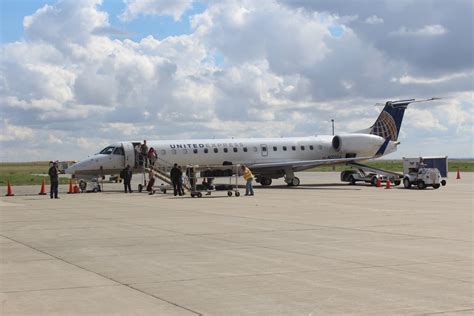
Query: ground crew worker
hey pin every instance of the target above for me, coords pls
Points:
(53, 176)
(175, 175)
(126, 175)
(248, 177)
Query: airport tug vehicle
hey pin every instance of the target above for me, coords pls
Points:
(425, 172)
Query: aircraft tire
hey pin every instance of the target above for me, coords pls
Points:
(265, 181)
(295, 182)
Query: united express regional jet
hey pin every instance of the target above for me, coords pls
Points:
(268, 158)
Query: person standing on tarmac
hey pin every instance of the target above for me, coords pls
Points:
(175, 175)
(126, 175)
(53, 176)
(248, 177)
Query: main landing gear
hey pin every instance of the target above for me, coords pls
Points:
(265, 181)
(290, 179)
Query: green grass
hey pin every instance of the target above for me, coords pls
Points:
(397, 166)
(21, 173)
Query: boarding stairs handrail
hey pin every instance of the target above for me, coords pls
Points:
(164, 176)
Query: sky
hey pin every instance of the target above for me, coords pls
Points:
(78, 75)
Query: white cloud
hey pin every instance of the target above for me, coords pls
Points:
(174, 8)
(14, 133)
(373, 19)
(427, 30)
(246, 69)
(407, 79)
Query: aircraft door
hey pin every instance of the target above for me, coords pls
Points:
(129, 154)
(264, 150)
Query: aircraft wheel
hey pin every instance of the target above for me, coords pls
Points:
(406, 183)
(140, 187)
(295, 182)
(265, 181)
(421, 185)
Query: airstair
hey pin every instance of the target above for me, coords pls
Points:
(161, 169)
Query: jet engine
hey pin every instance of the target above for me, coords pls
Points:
(357, 143)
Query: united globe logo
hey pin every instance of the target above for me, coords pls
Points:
(385, 127)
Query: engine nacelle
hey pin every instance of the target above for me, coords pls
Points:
(362, 144)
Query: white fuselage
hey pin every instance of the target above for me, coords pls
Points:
(248, 151)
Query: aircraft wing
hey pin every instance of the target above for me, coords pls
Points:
(305, 164)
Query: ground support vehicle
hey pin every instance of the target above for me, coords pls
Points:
(424, 172)
(206, 180)
(363, 173)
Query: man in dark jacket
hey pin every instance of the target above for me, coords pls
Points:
(175, 175)
(53, 176)
(126, 175)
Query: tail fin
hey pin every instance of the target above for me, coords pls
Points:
(389, 121)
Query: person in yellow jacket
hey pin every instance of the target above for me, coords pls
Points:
(248, 177)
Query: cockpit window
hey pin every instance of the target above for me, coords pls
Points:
(107, 150)
(119, 151)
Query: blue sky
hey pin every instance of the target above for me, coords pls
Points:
(13, 12)
(82, 74)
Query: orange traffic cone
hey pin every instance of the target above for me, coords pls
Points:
(76, 187)
(388, 185)
(379, 183)
(70, 187)
(9, 190)
(458, 176)
(43, 190)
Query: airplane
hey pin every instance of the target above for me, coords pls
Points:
(268, 158)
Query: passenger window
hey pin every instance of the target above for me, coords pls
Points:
(206, 150)
(226, 150)
(107, 150)
(119, 151)
(311, 147)
(284, 148)
(195, 151)
(235, 150)
(173, 151)
(275, 148)
(293, 147)
(245, 149)
(216, 150)
(302, 147)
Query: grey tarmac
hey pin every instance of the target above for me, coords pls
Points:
(318, 249)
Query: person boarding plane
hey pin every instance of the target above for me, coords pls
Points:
(268, 158)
